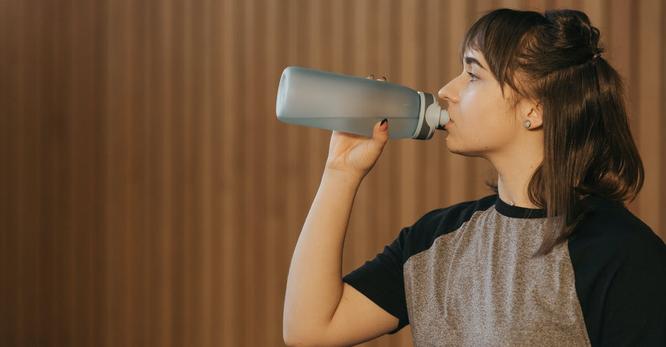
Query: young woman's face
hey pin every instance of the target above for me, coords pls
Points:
(483, 121)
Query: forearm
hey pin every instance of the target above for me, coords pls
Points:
(314, 284)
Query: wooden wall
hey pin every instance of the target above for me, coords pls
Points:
(149, 196)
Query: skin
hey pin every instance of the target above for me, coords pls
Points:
(484, 123)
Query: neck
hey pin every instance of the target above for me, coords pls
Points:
(515, 171)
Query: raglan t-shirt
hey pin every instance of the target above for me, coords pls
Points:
(464, 276)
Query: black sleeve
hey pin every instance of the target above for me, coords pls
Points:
(635, 306)
(381, 279)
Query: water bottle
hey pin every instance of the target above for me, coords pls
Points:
(352, 104)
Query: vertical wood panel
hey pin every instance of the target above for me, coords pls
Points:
(230, 134)
(112, 301)
(219, 325)
(662, 115)
(150, 196)
(251, 141)
(206, 178)
(164, 176)
(7, 213)
(650, 63)
(150, 165)
(275, 258)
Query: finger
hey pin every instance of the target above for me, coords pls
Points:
(383, 78)
(380, 133)
(371, 76)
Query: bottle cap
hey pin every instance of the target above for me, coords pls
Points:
(432, 117)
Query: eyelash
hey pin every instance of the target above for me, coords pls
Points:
(473, 77)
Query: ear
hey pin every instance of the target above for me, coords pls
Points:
(532, 110)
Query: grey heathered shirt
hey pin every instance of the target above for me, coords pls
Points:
(463, 276)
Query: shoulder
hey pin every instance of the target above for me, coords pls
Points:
(440, 221)
(610, 226)
(454, 215)
(611, 238)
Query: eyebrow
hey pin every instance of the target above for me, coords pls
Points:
(471, 60)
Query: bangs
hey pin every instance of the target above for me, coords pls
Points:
(500, 37)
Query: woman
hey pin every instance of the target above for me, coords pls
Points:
(553, 258)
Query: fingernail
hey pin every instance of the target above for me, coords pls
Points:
(383, 121)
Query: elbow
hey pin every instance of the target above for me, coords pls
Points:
(288, 339)
(288, 335)
(293, 338)
(294, 341)
(298, 330)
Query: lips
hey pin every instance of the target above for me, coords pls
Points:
(443, 127)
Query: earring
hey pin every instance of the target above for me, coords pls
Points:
(527, 124)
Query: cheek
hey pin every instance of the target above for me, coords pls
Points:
(474, 105)
(480, 101)
(484, 118)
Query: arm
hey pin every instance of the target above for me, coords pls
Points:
(319, 308)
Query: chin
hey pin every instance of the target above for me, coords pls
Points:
(461, 150)
(453, 146)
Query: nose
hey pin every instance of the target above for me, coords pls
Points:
(448, 92)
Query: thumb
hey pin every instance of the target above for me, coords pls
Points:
(380, 132)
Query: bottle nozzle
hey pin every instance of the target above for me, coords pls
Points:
(443, 119)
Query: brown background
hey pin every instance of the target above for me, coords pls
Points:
(149, 196)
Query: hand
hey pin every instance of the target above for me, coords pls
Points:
(356, 154)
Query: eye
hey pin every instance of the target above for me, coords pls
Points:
(472, 76)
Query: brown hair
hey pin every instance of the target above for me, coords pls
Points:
(588, 148)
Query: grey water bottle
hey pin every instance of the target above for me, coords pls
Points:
(352, 104)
